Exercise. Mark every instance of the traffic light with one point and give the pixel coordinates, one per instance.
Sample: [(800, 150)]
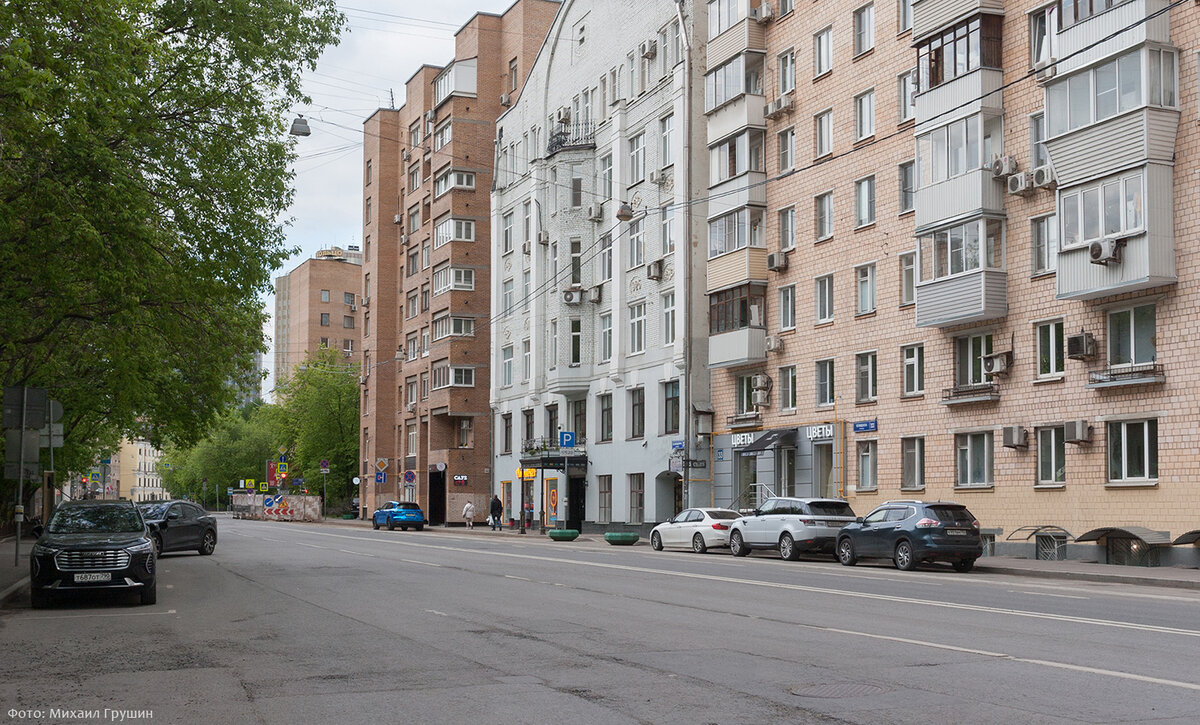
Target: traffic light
[(85, 479), (283, 476)]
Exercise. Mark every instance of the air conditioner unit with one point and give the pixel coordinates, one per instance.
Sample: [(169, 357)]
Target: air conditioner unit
[(397, 218), (406, 154), (648, 48), (654, 270), (595, 212), (404, 239), (760, 382), (563, 115), (997, 363), (761, 397), (572, 296), (777, 106), (430, 116), (505, 100), (765, 12), (595, 294), (1081, 346), (1045, 70), (1018, 184), (1106, 251), (543, 237), (362, 379), (353, 307), (1077, 431), (777, 261), (1043, 177), (774, 344), (365, 301), (1014, 437), (411, 407), (1003, 166), (347, 353), (657, 177)]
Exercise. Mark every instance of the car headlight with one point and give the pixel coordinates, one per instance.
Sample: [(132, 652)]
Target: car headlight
[(143, 547), (42, 550)]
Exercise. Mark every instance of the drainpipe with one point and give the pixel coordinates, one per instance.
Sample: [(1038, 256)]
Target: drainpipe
[(687, 240)]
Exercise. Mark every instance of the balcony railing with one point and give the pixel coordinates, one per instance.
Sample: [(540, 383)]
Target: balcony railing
[(1145, 374), (744, 420), (970, 393), (580, 135), (549, 445)]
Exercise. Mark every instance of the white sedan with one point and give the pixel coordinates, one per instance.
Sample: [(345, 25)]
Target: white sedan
[(698, 528)]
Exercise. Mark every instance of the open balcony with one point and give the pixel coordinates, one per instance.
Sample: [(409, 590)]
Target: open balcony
[(578, 135)]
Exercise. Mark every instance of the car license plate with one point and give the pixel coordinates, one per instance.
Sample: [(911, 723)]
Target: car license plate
[(955, 532), (97, 576)]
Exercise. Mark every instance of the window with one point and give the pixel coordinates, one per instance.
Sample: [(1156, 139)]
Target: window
[(606, 417), (442, 135), (1050, 349), (637, 328), (446, 326), (906, 94), (907, 186), (604, 513), (506, 232), (1133, 450), (637, 158), (579, 419), (722, 14), (414, 219), (526, 285), (425, 296), (637, 497), (526, 360), (904, 13), (368, 174), (507, 297), (606, 337), (414, 262), (787, 72), (736, 155), (735, 230), (666, 132), (1052, 452), (957, 148), (324, 295), (1110, 88), (822, 134), (1042, 26), (552, 352), (576, 341), (823, 216), (864, 29), (668, 322), (786, 148), (744, 404), (606, 176), (787, 387), (1038, 156), (955, 52), (637, 412), (1131, 336), (452, 179), (960, 249), (527, 425), (786, 6), (576, 262), (1045, 244), (1074, 11), (414, 177), (969, 352), (453, 230), (410, 386), (824, 298), (787, 228), (824, 382), (576, 186), (506, 365), (913, 363), (424, 386), (737, 308), (865, 384), (668, 231), (787, 307), (1112, 207), (864, 202), (912, 467), (868, 478), (973, 462), (864, 115), (637, 242), (671, 406), (324, 319), (367, 212), (865, 287), (822, 52)]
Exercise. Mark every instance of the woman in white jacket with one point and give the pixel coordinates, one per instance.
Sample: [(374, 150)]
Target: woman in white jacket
[(469, 514)]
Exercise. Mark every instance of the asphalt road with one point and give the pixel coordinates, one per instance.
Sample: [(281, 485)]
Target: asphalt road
[(292, 623)]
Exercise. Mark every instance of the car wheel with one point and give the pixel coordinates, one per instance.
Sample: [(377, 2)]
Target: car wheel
[(209, 544), (391, 525), (737, 547), (845, 552), (38, 598), (655, 541), (149, 593), (698, 544), (904, 558), (158, 544), (375, 523), (964, 565), (787, 547), (420, 527)]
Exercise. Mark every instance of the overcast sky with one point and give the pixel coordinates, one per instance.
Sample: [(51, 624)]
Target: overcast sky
[(383, 45)]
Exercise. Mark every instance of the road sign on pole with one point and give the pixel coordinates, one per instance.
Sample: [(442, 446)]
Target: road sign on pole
[(381, 464), (566, 439), (381, 477), (324, 465)]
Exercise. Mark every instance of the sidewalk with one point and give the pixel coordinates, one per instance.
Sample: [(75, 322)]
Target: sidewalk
[(13, 578)]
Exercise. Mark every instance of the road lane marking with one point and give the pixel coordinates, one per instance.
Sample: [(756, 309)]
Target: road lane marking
[(356, 553), (518, 578), (92, 614), (423, 563), (311, 546), (434, 611), (1047, 594)]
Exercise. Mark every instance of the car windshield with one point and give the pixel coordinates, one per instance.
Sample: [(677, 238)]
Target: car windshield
[(830, 508), (154, 510), (724, 515), (408, 506), (952, 514), (95, 520)]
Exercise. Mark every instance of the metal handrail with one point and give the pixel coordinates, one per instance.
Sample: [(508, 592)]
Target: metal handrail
[(581, 134), (1124, 372)]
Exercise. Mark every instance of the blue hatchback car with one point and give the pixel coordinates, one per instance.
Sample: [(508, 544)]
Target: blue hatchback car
[(398, 513)]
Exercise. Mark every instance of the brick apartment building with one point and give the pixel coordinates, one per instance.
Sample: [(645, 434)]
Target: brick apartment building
[(316, 305), (975, 283), (427, 172)]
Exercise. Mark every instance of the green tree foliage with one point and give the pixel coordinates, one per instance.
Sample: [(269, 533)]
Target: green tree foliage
[(143, 179), (317, 419)]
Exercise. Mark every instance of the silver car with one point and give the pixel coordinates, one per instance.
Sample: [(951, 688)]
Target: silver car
[(698, 528), (791, 526)]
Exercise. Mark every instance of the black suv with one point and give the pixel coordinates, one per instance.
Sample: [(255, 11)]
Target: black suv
[(180, 526), (92, 545), (910, 532)]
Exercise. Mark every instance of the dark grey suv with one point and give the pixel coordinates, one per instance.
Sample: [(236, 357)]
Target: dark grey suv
[(910, 532)]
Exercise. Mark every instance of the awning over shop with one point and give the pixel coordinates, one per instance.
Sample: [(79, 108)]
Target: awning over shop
[(1190, 537), (571, 464), (777, 438), (1141, 533), (1025, 533)]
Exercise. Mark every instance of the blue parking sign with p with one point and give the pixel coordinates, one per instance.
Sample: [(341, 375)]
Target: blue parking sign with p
[(566, 439)]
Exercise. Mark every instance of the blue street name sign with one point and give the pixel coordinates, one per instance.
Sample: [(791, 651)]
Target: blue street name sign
[(866, 426)]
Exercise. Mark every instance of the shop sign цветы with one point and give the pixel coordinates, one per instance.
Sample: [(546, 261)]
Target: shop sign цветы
[(824, 430), (738, 440)]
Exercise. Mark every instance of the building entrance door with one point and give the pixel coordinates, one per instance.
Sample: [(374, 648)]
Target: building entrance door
[(823, 482), (437, 497), (744, 495)]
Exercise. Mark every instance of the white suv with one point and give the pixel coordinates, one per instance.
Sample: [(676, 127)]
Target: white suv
[(791, 525)]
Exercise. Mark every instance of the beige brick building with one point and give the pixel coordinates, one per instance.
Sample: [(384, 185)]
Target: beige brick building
[(316, 305), (974, 282), (425, 282)]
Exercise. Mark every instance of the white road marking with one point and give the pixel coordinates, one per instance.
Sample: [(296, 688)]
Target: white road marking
[(519, 578), (356, 553), (311, 546), (1047, 594), (423, 563), (93, 614), (434, 611)]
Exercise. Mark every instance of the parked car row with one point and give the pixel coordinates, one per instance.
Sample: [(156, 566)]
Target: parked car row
[(908, 532), (113, 545)]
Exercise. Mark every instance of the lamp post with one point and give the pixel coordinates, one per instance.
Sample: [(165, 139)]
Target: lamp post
[(300, 126)]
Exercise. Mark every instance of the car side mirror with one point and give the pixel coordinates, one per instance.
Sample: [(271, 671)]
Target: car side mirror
[(858, 519), (37, 531), (172, 516), (758, 512)]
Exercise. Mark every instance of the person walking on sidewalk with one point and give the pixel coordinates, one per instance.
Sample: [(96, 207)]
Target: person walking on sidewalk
[(497, 510), (469, 514)]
